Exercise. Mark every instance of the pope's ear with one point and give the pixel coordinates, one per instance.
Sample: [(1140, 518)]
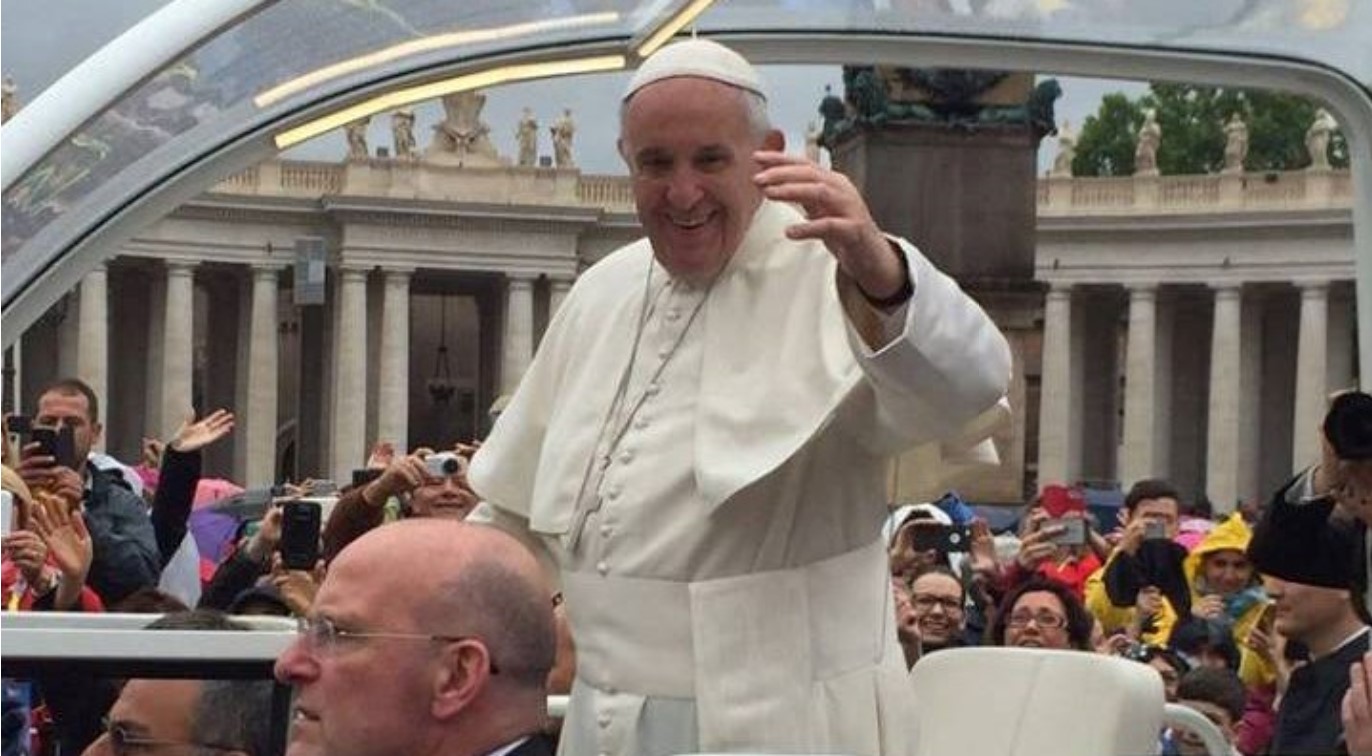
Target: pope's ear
[(775, 141)]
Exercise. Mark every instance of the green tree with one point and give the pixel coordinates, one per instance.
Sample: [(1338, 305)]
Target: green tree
[(1105, 146), (1192, 120)]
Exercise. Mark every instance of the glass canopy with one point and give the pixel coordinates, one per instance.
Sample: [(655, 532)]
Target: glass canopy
[(233, 81)]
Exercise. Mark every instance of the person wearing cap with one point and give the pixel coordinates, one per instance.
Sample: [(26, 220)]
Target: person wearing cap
[(1309, 562), (700, 444)]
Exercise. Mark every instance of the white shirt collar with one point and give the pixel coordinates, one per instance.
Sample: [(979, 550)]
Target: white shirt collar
[(508, 747)]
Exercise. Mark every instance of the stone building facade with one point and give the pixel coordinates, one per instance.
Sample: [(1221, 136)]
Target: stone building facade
[(1191, 329)]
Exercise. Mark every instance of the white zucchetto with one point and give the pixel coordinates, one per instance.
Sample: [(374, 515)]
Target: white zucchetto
[(697, 58)]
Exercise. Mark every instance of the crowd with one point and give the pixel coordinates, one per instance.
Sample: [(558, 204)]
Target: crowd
[(708, 498), (1260, 626)]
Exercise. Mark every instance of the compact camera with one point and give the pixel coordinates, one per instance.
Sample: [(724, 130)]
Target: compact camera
[(445, 464), (1073, 530)]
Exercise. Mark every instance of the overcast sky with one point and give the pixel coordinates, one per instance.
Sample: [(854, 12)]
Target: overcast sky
[(40, 40)]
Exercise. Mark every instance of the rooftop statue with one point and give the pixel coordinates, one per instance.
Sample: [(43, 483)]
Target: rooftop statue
[(563, 129), (402, 133), (1317, 139), (1067, 151), (356, 133), (1150, 138), (1235, 144), (463, 138), (526, 134)]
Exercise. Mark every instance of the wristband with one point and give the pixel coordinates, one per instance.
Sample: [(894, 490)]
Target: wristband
[(902, 294), (51, 582)]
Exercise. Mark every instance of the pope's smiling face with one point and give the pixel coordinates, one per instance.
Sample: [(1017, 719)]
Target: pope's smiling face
[(689, 144)]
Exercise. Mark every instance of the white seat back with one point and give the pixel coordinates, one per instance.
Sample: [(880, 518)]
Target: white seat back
[(1013, 702)]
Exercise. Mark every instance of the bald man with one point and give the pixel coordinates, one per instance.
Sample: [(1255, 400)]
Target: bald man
[(426, 637)]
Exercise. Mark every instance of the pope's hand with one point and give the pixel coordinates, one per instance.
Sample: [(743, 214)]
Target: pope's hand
[(837, 215)]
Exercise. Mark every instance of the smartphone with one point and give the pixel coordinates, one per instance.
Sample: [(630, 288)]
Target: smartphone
[(1073, 531), (58, 443), (6, 512), (1268, 618), (299, 545), (1154, 531), (364, 475), (942, 538)]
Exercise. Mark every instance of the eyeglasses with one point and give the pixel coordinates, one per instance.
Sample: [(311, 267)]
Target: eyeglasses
[(124, 742), (926, 603), (322, 634), (1045, 619)]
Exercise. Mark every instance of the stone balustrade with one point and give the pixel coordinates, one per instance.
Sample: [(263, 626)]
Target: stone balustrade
[(1057, 196)]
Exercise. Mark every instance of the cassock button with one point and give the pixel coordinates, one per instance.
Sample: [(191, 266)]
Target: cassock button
[(602, 567), (606, 531), (603, 720), (640, 423), (673, 315), (664, 353), (653, 388), (612, 492), (626, 456)]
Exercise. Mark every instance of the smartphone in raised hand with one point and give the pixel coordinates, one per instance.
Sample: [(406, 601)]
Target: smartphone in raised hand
[(300, 534)]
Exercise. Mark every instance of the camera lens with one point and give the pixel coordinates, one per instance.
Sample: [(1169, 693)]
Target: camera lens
[(450, 466)]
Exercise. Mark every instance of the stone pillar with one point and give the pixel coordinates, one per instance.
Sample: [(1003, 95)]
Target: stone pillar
[(261, 380), (1056, 424), (349, 425), (519, 332), (393, 401), (1222, 435), (556, 293), (178, 345), (93, 340), (1140, 458), (1312, 365)]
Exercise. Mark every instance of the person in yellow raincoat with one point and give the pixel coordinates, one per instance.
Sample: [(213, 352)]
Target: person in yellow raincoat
[(1148, 585)]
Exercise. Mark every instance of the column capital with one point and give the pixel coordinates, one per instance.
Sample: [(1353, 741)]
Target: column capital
[(520, 280), (1227, 289), (1060, 291), (397, 273), (1313, 287), (353, 272), (266, 272), (1142, 289), (180, 267)]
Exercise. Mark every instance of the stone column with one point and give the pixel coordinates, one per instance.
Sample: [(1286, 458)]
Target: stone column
[(1140, 459), (519, 332), (1312, 365), (350, 375), (261, 380), (178, 345), (556, 293), (93, 340), (393, 401), (1056, 425), (1222, 435)]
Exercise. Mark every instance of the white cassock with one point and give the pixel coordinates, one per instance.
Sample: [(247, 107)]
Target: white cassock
[(714, 511)]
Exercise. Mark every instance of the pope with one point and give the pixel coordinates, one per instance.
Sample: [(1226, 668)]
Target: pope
[(699, 447)]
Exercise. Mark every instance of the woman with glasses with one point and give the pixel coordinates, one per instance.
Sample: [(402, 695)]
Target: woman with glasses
[(1041, 613)]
